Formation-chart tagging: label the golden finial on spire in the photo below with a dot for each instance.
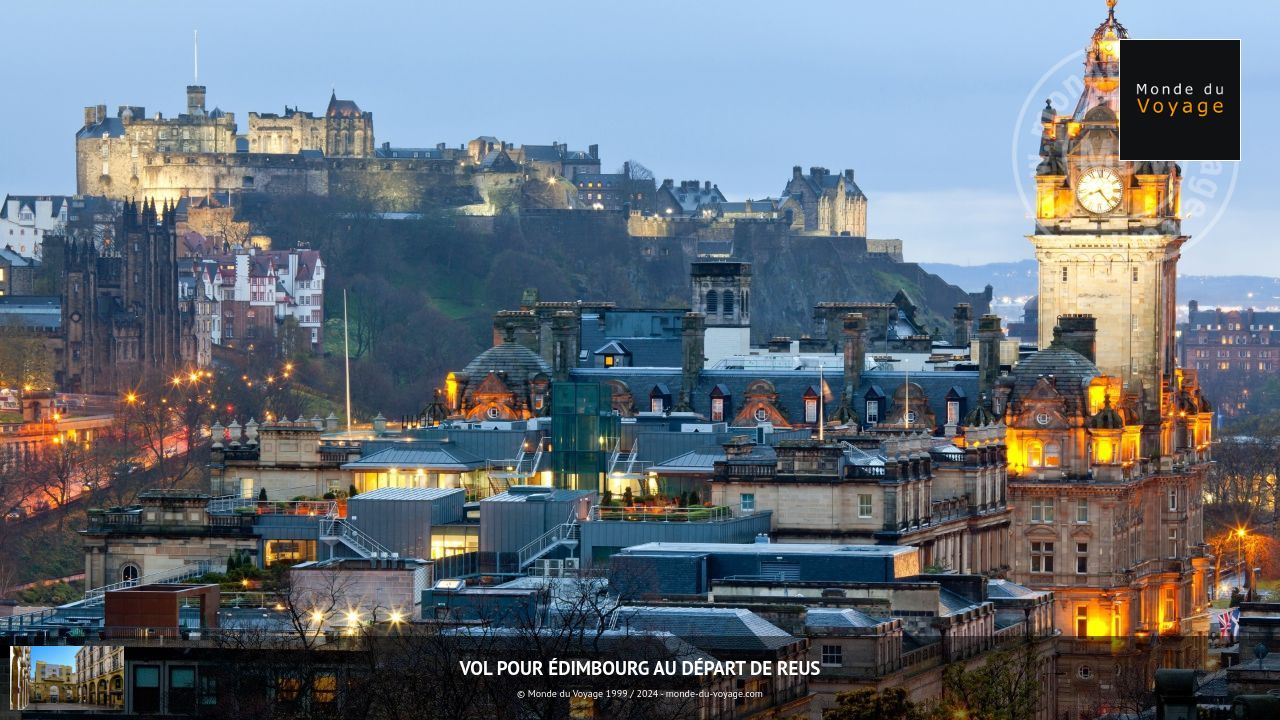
(1111, 4)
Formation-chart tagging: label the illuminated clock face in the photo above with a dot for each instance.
(1099, 190)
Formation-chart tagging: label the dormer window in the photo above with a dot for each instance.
(873, 412)
(811, 406)
(719, 403)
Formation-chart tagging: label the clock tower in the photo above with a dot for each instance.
(1107, 232)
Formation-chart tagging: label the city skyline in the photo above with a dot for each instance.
(944, 178)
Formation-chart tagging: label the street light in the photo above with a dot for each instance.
(1240, 556)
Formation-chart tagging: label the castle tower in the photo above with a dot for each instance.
(1108, 233)
(722, 293)
(195, 100)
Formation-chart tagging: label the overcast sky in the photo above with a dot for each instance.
(920, 98)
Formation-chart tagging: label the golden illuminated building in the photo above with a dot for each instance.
(1108, 440)
(100, 675)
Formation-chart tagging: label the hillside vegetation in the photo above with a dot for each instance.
(422, 290)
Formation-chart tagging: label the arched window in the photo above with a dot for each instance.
(728, 302)
(1035, 454)
(129, 572)
(713, 300)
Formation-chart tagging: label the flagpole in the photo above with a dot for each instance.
(346, 355)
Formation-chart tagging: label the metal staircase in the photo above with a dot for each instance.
(95, 596)
(524, 466)
(565, 535)
(334, 530)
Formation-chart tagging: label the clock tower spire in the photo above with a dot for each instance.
(1108, 232)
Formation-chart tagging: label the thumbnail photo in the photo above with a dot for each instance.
(85, 679)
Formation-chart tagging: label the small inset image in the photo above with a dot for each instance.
(60, 678)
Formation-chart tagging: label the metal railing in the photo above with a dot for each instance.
(662, 513)
(95, 596)
(563, 532)
(186, 572)
(332, 526)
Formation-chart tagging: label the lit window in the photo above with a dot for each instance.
(811, 409)
(1082, 621)
(1052, 455)
(953, 412)
(1035, 454)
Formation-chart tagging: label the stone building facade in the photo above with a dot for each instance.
(167, 530)
(1108, 441)
(120, 308)
(100, 675)
(825, 204)
(53, 683)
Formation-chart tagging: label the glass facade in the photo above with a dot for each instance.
(584, 434)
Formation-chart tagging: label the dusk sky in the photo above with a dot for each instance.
(921, 99)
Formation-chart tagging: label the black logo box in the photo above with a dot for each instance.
(1186, 68)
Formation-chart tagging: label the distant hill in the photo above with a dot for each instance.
(423, 290)
(1019, 279)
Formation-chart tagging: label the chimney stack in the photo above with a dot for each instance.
(1079, 333)
(854, 330)
(693, 357)
(564, 338)
(960, 322)
(989, 336)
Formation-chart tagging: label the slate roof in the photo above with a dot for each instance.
(1003, 589)
(341, 108)
(29, 201)
(789, 384)
(1214, 316)
(702, 460)
(1071, 372)
(398, 152)
(31, 311)
(840, 618)
(953, 603)
(514, 363)
(426, 455)
(708, 628)
(541, 153)
(13, 259)
(112, 126)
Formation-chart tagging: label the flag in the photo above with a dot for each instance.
(1228, 623)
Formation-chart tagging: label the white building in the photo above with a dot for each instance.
(25, 220)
